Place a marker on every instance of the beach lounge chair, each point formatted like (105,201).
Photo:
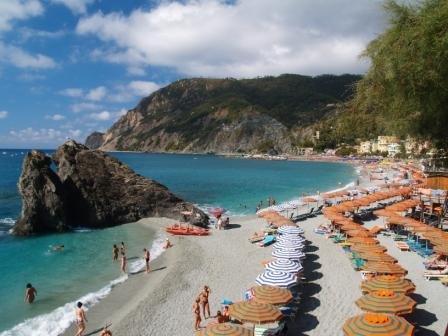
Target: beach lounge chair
(403,246)
(268,240)
(318,211)
(399,237)
(428,276)
(303,216)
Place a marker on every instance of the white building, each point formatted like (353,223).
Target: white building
(393,149)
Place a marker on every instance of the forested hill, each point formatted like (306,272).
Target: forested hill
(230,115)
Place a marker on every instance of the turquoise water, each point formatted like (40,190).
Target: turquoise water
(85,266)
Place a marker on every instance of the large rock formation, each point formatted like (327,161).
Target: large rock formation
(229,115)
(90,189)
(43,208)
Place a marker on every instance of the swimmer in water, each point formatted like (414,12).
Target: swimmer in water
(57,248)
(30,293)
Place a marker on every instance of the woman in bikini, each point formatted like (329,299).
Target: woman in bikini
(80,319)
(197,315)
(115,253)
(204,300)
(123,262)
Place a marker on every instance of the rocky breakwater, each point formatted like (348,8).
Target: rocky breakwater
(90,189)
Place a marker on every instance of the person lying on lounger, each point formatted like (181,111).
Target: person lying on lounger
(436,262)
(438,272)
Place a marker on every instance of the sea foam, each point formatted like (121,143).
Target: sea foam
(57,321)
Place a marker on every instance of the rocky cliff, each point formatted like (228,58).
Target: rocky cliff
(229,115)
(90,189)
(95,140)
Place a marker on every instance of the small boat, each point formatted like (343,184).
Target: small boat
(186,231)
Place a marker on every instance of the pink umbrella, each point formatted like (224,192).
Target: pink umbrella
(217,212)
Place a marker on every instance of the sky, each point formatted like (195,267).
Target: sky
(71,67)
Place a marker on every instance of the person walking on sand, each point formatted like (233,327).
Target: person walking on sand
(80,319)
(30,293)
(123,262)
(197,315)
(115,253)
(146,256)
(204,297)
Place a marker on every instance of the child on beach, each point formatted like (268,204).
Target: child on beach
(30,293)
(197,315)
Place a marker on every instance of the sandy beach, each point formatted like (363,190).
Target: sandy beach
(160,303)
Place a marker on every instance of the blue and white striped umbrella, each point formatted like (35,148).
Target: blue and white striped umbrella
(289,230)
(277,278)
(288,254)
(289,245)
(291,238)
(284,265)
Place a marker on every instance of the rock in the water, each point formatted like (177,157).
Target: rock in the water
(43,207)
(99,191)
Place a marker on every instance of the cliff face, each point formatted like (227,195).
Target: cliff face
(90,189)
(95,140)
(229,115)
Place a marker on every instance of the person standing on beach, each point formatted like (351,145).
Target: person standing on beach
(123,262)
(197,315)
(30,293)
(115,253)
(122,248)
(146,256)
(203,296)
(80,319)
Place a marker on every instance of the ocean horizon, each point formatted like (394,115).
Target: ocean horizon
(236,184)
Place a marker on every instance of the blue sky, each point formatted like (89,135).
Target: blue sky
(69,67)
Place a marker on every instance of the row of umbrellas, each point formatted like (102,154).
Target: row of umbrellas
(385,296)
(272,286)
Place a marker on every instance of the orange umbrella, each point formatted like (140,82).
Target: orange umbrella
(363,240)
(368,248)
(377,325)
(359,233)
(387,302)
(255,312)
(377,257)
(441,249)
(309,200)
(384,213)
(273,295)
(391,282)
(225,329)
(384,268)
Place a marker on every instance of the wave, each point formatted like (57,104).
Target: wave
(7,221)
(57,321)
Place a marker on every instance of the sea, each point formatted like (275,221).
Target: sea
(84,269)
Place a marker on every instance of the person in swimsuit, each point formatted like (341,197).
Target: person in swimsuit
(122,248)
(197,315)
(226,314)
(204,300)
(106,332)
(30,293)
(123,262)
(146,256)
(80,319)
(219,317)
(115,253)
(167,244)
(57,248)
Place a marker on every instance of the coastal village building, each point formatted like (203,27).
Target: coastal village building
(384,144)
(305,151)
(393,149)
(384,141)
(365,147)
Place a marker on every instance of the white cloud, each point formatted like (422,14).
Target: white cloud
(21,59)
(11,10)
(132,90)
(3,114)
(106,115)
(136,71)
(244,39)
(39,136)
(29,33)
(55,117)
(82,107)
(72,92)
(97,93)
(76,6)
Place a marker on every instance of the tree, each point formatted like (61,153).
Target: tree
(406,87)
